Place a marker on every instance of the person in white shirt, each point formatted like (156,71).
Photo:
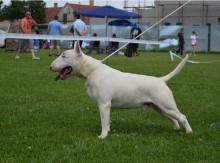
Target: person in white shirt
(80,28)
(193,41)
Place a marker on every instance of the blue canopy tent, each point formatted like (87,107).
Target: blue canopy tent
(108,12)
(122,23)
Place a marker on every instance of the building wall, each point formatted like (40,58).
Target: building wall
(68,11)
(194,13)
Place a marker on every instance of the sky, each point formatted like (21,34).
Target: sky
(115,3)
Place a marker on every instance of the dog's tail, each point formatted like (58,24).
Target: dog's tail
(176,70)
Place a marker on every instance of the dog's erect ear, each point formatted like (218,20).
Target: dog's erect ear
(77,48)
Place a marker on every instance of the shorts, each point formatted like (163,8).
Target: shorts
(55,42)
(22,43)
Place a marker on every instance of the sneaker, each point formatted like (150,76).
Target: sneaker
(17,57)
(35,57)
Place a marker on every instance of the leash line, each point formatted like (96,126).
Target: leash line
(146,30)
(190,61)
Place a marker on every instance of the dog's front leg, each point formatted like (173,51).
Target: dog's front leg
(105,119)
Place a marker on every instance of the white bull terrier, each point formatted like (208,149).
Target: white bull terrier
(111,88)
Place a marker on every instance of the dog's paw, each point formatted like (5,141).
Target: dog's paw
(188,132)
(103,136)
(176,126)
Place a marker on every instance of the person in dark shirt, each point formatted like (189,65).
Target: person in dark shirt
(181,41)
(135,31)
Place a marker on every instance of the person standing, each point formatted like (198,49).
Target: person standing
(25,25)
(80,28)
(193,41)
(135,31)
(54,28)
(181,41)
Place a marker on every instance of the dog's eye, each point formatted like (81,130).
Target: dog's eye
(63,56)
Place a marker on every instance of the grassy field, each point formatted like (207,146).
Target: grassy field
(46,121)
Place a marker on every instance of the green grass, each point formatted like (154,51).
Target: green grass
(46,121)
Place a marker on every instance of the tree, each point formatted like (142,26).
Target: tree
(1,3)
(37,8)
(14,11)
(17,9)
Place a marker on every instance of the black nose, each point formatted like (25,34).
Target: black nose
(50,68)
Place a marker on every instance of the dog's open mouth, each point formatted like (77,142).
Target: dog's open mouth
(64,73)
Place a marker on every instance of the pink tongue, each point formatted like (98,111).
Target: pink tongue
(62,74)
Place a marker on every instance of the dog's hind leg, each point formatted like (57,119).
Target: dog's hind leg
(172,120)
(174,113)
(105,119)
(182,119)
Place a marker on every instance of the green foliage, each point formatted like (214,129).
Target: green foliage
(37,8)
(1,10)
(43,120)
(17,9)
(1,3)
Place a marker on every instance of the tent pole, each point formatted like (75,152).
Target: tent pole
(106,32)
(106,26)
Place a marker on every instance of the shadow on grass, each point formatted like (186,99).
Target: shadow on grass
(143,129)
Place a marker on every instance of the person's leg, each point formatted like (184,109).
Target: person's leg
(51,47)
(51,50)
(194,50)
(178,49)
(32,53)
(31,47)
(21,45)
(58,50)
(131,48)
(80,43)
(181,48)
(136,49)
(58,47)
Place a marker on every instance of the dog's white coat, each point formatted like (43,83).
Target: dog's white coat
(111,88)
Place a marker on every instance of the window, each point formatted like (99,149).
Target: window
(167,23)
(208,24)
(178,23)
